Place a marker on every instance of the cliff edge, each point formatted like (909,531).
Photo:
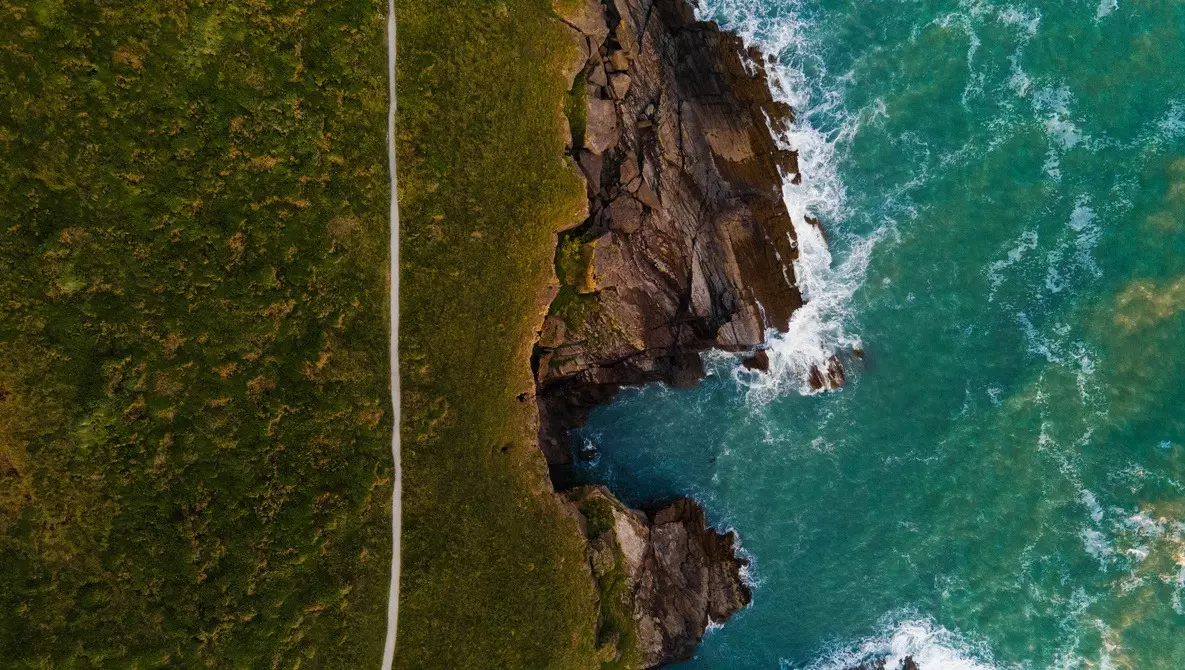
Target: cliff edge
(688,245)
(665,570)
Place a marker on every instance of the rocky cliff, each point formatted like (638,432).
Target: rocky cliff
(665,570)
(688,245)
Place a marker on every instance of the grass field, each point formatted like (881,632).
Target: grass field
(495,573)
(194,424)
(194,435)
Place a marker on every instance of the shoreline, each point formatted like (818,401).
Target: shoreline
(687,247)
(653,228)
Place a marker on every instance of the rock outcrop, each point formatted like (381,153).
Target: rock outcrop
(672,573)
(688,245)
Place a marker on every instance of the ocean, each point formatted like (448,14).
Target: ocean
(1001,482)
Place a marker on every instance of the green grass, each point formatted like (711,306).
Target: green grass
(617,637)
(574,263)
(576,109)
(194,424)
(495,573)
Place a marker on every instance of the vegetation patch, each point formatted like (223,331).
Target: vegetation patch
(617,638)
(194,407)
(576,109)
(574,263)
(495,570)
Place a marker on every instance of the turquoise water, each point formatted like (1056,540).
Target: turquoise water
(1002,482)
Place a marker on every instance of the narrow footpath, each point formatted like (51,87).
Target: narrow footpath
(396,503)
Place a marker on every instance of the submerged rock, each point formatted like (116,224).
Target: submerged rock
(758,361)
(680,574)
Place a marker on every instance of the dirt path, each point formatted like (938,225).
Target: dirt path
(396,503)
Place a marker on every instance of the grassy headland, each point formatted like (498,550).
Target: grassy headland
(495,572)
(194,424)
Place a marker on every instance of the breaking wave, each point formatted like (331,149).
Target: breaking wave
(818,330)
(930,645)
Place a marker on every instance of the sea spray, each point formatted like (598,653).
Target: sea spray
(817,331)
(929,645)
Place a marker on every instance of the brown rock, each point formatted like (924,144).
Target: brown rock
(691,576)
(590,165)
(601,131)
(627,214)
(835,373)
(647,196)
(829,377)
(619,84)
(692,144)
(597,76)
(618,62)
(588,18)
(682,573)
(815,378)
(629,172)
(587,25)
(553,332)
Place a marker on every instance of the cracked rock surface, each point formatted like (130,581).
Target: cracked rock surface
(688,243)
(681,573)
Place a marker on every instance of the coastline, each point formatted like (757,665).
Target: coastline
(687,247)
(580,311)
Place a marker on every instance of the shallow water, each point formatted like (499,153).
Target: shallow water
(1002,481)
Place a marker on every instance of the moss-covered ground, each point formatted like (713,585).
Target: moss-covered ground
(194,423)
(495,573)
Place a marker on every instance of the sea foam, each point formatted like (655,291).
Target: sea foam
(931,646)
(818,330)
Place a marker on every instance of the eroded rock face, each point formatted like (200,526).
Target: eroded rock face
(680,573)
(689,240)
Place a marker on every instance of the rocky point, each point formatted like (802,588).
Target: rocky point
(687,246)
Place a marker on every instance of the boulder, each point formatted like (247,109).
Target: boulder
(590,165)
(601,131)
(619,85)
(597,76)
(627,214)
